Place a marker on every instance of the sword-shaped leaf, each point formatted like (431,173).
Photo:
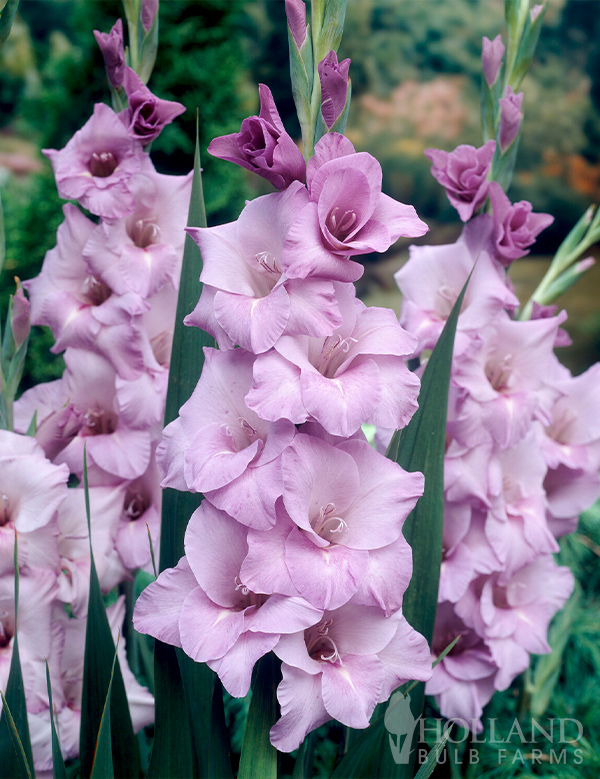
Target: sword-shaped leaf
(59,770)
(259,757)
(102,767)
(419,447)
(185,692)
(7,17)
(14,714)
(97,672)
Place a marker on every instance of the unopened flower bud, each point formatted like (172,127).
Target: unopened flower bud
(20,318)
(334,87)
(296,17)
(263,146)
(148,13)
(510,117)
(111,46)
(535,11)
(491,58)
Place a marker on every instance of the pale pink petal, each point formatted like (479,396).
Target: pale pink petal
(158,608)
(235,667)
(351,690)
(302,709)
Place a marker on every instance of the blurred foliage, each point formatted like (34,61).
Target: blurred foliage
(52,73)
(416,78)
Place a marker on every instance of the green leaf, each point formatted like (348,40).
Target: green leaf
(7,17)
(429,765)
(32,425)
(172,749)
(527,47)
(102,767)
(24,769)
(185,692)
(362,759)
(2,232)
(148,50)
(302,765)
(330,35)
(259,757)
(97,673)
(548,667)
(419,447)
(209,736)
(58,764)
(16,758)
(301,83)
(187,359)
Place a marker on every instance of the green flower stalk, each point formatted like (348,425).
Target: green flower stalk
(566,267)
(310,44)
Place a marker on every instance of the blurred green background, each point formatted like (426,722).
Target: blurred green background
(416,82)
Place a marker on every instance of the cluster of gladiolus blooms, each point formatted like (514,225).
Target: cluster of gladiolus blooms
(297,547)
(108,291)
(523,441)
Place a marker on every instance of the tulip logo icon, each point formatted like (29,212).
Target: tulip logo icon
(399,721)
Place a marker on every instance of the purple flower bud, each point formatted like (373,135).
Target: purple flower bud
(296,17)
(111,46)
(515,226)
(491,58)
(535,11)
(584,265)
(334,87)
(20,319)
(510,117)
(148,13)
(147,114)
(463,173)
(263,146)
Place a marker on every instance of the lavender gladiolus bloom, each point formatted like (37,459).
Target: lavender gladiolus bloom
(296,17)
(339,503)
(354,376)
(251,300)
(510,117)
(263,146)
(111,46)
(348,214)
(463,682)
(80,308)
(221,448)
(96,164)
(463,173)
(433,277)
(142,253)
(147,114)
(213,615)
(491,58)
(341,667)
(334,87)
(515,225)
